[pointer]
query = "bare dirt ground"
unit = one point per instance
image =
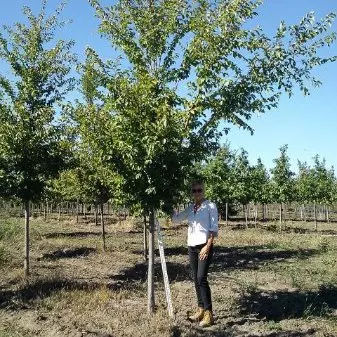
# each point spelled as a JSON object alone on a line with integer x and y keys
{"x": 263, "y": 283}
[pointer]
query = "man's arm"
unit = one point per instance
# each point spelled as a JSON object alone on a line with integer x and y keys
{"x": 213, "y": 219}
{"x": 179, "y": 217}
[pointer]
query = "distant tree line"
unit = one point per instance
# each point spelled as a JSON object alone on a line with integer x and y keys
{"x": 231, "y": 179}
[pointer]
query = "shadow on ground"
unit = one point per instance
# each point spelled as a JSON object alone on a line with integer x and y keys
{"x": 70, "y": 235}
{"x": 68, "y": 253}
{"x": 176, "y": 272}
{"x": 252, "y": 257}
{"x": 275, "y": 228}
{"x": 242, "y": 257}
{"x": 22, "y": 297}
{"x": 225, "y": 258}
{"x": 84, "y": 234}
{"x": 279, "y": 305}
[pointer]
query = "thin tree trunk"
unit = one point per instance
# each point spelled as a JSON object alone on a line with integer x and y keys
{"x": 315, "y": 215}
{"x": 77, "y": 209}
{"x": 103, "y": 228}
{"x": 96, "y": 215}
{"x": 59, "y": 219}
{"x": 85, "y": 211}
{"x": 45, "y": 211}
{"x": 263, "y": 212}
{"x": 119, "y": 217}
{"x": 26, "y": 261}
{"x": 281, "y": 218}
{"x": 150, "y": 274}
{"x": 255, "y": 214}
{"x": 145, "y": 239}
{"x": 226, "y": 213}
{"x": 246, "y": 214}
{"x": 301, "y": 209}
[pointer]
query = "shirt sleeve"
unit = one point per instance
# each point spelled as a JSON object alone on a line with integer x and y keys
{"x": 213, "y": 218}
{"x": 179, "y": 217}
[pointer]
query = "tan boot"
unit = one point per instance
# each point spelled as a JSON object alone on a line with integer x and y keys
{"x": 207, "y": 320}
{"x": 198, "y": 316}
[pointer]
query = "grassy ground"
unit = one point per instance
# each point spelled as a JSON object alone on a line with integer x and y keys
{"x": 263, "y": 283}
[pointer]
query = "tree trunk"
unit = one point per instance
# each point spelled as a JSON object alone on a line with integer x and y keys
{"x": 263, "y": 212}
{"x": 26, "y": 261}
{"x": 145, "y": 239}
{"x": 255, "y": 214}
{"x": 96, "y": 215}
{"x": 315, "y": 215}
{"x": 281, "y": 218}
{"x": 150, "y": 274}
{"x": 103, "y": 228}
{"x": 226, "y": 213}
{"x": 84, "y": 211}
{"x": 77, "y": 209}
{"x": 59, "y": 219}
{"x": 45, "y": 211}
{"x": 301, "y": 212}
{"x": 246, "y": 214}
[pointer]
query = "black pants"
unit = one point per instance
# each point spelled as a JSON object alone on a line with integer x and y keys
{"x": 199, "y": 270}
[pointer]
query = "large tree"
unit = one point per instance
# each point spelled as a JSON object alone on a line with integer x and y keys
{"x": 88, "y": 128}
{"x": 186, "y": 66}
{"x": 31, "y": 150}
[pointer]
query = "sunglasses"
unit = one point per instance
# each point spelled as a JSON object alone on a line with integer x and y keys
{"x": 198, "y": 190}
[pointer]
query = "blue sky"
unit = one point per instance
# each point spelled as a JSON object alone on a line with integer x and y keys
{"x": 307, "y": 124}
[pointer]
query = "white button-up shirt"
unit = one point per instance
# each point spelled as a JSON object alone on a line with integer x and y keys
{"x": 205, "y": 220}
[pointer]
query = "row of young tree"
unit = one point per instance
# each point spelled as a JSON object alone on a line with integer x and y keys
{"x": 148, "y": 115}
{"x": 231, "y": 179}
